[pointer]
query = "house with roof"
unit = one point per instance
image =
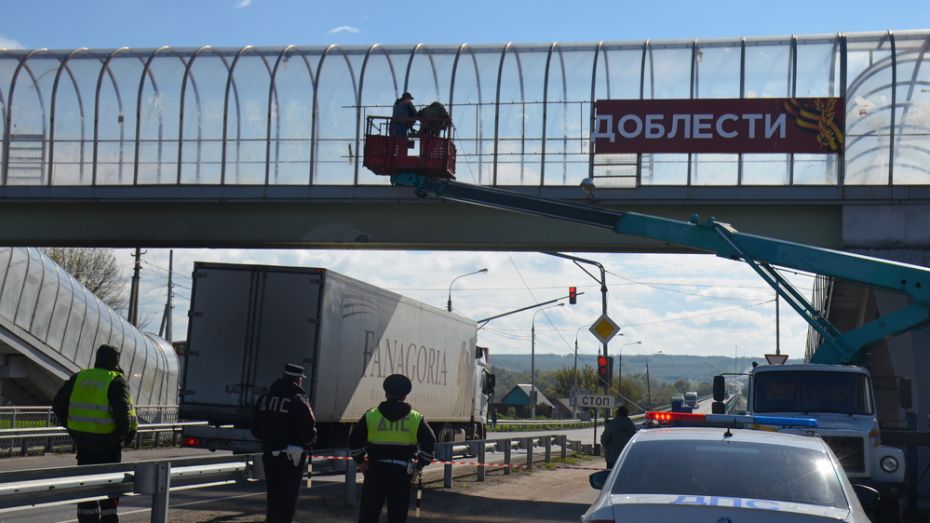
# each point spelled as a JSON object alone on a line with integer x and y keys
{"x": 519, "y": 399}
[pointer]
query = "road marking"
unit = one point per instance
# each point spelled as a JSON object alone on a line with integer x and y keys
{"x": 197, "y": 502}
{"x": 186, "y": 504}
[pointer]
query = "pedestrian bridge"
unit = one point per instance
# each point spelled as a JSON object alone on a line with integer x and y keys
{"x": 51, "y": 326}
{"x": 260, "y": 146}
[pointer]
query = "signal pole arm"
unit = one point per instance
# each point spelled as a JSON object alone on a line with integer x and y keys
{"x": 484, "y": 321}
{"x": 761, "y": 253}
{"x": 603, "y": 281}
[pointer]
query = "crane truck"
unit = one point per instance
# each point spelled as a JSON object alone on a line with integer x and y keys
{"x": 884, "y": 465}
{"x": 841, "y": 399}
{"x": 248, "y": 321}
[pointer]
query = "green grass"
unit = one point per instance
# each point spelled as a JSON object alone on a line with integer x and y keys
{"x": 22, "y": 424}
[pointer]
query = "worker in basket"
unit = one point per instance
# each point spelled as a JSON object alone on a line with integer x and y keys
{"x": 434, "y": 119}
{"x": 403, "y": 116}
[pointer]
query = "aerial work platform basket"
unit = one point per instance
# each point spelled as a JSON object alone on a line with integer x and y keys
{"x": 427, "y": 152}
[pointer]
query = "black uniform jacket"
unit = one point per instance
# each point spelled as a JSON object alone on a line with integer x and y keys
{"x": 120, "y": 402}
{"x": 392, "y": 410}
{"x": 283, "y": 417}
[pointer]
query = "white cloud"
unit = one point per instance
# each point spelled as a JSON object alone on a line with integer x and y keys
{"x": 243, "y": 3}
{"x": 718, "y": 316}
{"x": 344, "y": 29}
{"x": 9, "y": 43}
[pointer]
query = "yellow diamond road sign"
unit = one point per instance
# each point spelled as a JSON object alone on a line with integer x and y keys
{"x": 604, "y": 328}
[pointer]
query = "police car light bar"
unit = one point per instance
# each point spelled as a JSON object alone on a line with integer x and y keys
{"x": 674, "y": 416}
{"x": 730, "y": 419}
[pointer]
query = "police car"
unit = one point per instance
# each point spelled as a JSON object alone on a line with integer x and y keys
{"x": 726, "y": 475}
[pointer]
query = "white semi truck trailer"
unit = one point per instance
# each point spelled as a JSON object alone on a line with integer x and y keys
{"x": 248, "y": 321}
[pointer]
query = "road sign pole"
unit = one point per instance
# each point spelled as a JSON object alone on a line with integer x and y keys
{"x": 604, "y": 312}
{"x": 594, "y": 446}
{"x": 603, "y": 282}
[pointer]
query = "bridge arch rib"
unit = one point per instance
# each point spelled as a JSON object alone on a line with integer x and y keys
{"x": 523, "y": 113}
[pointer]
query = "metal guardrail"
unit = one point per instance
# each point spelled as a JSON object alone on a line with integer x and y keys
{"x": 731, "y": 402}
{"x": 47, "y": 438}
{"x": 51, "y": 432}
{"x": 565, "y": 421}
{"x": 540, "y": 421}
{"x": 29, "y": 488}
{"x": 43, "y": 416}
{"x": 446, "y": 451}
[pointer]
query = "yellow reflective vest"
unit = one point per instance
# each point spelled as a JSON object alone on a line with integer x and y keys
{"x": 89, "y": 404}
{"x": 386, "y": 432}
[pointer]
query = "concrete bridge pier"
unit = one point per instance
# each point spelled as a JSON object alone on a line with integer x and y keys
{"x": 896, "y": 232}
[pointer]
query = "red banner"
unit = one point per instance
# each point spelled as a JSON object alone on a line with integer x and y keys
{"x": 757, "y": 125}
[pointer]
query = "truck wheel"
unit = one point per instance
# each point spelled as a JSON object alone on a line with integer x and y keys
{"x": 446, "y": 434}
{"x": 889, "y": 507}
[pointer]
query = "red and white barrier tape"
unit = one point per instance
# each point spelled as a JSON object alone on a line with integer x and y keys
{"x": 472, "y": 463}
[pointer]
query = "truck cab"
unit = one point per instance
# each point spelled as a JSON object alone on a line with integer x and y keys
{"x": 678, "y": 404}
{"x": 840, "y": 398}
{"x": 691, "y": 399}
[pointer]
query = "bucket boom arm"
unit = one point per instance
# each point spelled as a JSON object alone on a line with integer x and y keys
{"x": 761, "y": 253}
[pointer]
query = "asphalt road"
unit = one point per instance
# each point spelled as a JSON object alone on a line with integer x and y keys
{"x": 544, "y": 495}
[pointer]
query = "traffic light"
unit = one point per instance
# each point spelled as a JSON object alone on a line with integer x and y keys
{"x": 573, "y": 296}
{"x": 603, "y": 368}
{"x": 610, "y": 371}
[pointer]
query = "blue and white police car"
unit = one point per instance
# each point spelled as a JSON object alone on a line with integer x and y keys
{"x": 699, "y": 472}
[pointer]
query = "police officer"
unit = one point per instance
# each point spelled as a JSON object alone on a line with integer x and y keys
{"x": 285, "y": 425}
{"x": 390, "y": 435}
{"x": 616, "y": 435}
{"x": 96, "y": 407}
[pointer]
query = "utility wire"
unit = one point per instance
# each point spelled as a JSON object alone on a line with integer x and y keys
{"x": 163, "y": 269}
{"x": 514, "y": 263}
{"x": 663, "y": 287}
{"x": 631, "y": 282}
{"x": 709, "y": 313}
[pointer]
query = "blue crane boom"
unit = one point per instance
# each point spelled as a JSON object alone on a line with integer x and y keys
{"x": 759, "y": 252}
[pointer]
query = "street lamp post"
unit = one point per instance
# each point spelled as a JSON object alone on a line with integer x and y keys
{"x": 575, "y": 368}
{"x": 620, "y": 363}
{"x": 648, "y": 385}
{"x": 533, "y": 359}
{"x": 449, "y": 301}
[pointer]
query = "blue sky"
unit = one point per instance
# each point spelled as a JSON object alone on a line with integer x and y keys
{"x": 136, "y": 23}
{"x": 677, "y": 304}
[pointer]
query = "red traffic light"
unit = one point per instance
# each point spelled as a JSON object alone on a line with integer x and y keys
{"x": 602, "y": 368}
{"x": 573, "y": 296}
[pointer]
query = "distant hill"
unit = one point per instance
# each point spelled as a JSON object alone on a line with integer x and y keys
{"x": 662, "y": 367}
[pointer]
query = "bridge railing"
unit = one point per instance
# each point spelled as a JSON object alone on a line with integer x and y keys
{"x": 25, "y": 440}
{"x": 43, "y": 415}
{"x": 294, "y": 115}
